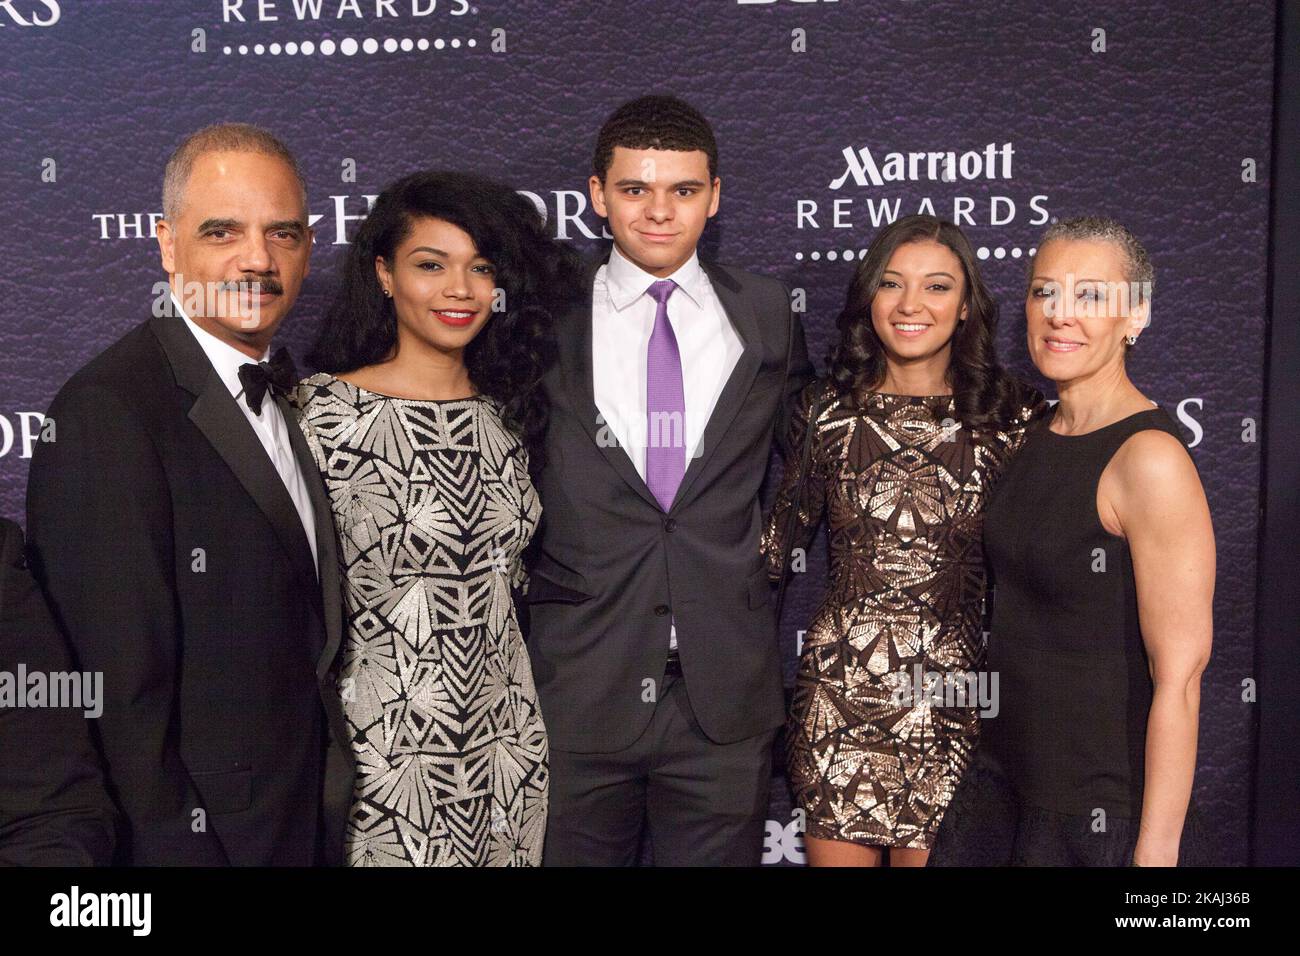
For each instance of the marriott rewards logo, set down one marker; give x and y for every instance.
(869, 188)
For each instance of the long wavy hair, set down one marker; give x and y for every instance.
(984, 393)
(538, 275)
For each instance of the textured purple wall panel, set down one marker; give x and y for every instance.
(1153, 131)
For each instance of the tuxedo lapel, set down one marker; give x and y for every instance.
(576, 365)
(219, 418)
(326, 540)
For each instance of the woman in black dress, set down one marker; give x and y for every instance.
(1102, 552)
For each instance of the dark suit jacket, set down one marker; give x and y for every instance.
(611, 568)
(54, 810)
(176, 563)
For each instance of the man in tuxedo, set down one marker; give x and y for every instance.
(185, 540)
(651, 629)
(53, 807)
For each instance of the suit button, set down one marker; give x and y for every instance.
(661, 609)
(670, 524)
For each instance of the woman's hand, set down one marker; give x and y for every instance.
(1155, 853)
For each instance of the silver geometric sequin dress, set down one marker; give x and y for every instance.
(433, 506)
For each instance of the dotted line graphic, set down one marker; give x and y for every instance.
(348, 46)
(848, 255)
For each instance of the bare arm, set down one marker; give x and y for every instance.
(1151, 494)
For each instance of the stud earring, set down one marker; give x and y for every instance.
(388, 294)
(1131, 339)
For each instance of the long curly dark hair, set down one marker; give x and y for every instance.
(538, 274)
(984, 393)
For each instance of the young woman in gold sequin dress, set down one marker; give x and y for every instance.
(914, 423)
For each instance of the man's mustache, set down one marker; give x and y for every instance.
(268, 284)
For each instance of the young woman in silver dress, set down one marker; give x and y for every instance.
(425, 422)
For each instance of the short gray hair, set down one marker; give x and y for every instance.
(1137, 264)
(220, 138)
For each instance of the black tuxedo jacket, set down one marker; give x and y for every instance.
(54, 810)
(612, 569)
(176, 563)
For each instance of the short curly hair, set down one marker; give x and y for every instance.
(655, 122)
(1137, 264)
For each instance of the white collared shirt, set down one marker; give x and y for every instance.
(622, 319)
(268, 424)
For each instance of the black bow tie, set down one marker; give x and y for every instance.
(277, 374)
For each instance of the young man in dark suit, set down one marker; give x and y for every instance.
(185, 540)
(652, 634)
(53, 807)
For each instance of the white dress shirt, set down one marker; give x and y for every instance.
(622, 318)
(268, 424)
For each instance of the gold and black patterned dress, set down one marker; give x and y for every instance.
(902, 485)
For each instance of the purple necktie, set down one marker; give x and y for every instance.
(665, 404)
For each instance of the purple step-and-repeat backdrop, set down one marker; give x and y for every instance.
(1155, 113)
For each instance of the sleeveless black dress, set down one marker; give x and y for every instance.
(1058, 776)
